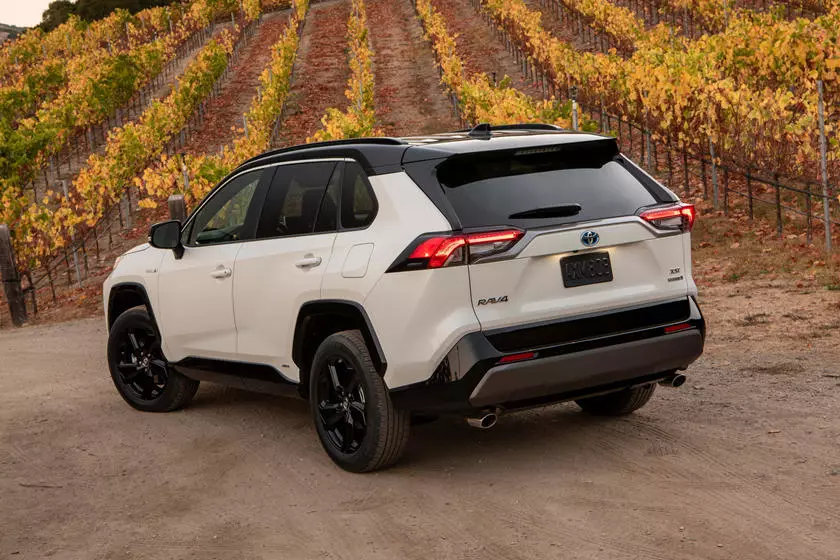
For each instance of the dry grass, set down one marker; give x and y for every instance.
(731, 249)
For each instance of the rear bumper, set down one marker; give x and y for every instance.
(472, 377)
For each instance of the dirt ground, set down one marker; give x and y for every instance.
(742, 462)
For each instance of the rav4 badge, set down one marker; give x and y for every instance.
(488, 301)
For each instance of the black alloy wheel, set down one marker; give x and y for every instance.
(140, 364)
(140, 371)
(354, 417)
(342, 405)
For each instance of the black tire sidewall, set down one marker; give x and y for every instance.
(338, 345)
(178, 390)
(618, 403)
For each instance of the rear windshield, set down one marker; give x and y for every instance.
(541, 187)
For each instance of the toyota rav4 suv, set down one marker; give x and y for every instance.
(469, 273)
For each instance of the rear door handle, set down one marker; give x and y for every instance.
(221, 273)
(308, 261)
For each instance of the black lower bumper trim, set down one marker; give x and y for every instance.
(572, 373)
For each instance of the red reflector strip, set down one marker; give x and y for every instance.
(677, 328)
(517, 357)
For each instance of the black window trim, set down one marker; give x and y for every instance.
(259, 197)
(339, 227)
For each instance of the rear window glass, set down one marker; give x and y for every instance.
(541, 187)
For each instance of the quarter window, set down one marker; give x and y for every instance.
(358, 204)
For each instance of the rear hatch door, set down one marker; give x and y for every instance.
(583, 248)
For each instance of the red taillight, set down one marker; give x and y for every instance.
(677, 328)
(679, 217)
(438, 250)
(446, 250)
(517, 357)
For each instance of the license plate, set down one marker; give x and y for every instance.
(589, 268)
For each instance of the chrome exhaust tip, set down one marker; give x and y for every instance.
(675, 380)
(484, 420)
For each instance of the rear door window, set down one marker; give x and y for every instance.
(299, 200)
(541, 187)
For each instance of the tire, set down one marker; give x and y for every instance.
(140, 372)
(356, 422)
(618, 403)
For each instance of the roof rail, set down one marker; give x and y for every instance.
(382, 140)
(484, 128)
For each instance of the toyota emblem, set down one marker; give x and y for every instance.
(589, 238)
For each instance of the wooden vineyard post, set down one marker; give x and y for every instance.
(715, 193)
(177, 207)
(824, 168)
(10, 278)
(73, 241)
(778, 204)
(750, 193)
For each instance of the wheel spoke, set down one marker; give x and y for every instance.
(324, 405)
(348, 432)
(334, 376)
(133, 340)
(354, 382)
(129, 377)
(147, 388)
(333, 419)
(359, 409)
(159, 364)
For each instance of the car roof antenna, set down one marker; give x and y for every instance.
(480, 131)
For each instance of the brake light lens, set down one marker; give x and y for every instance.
(438, 251)
(678, 217)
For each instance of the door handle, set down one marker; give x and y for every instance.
(308, 261)
(221, 273)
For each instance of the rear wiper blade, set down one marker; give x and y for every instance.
(561, 211)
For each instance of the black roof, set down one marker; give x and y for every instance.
(388, 155)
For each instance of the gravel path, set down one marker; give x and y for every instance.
(742, 462)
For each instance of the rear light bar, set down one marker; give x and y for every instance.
(521, 357)
(443, 250)
(677, 217)
(677, 328)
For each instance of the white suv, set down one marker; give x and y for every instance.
(468, 273)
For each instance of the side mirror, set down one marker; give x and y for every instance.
(167, 235)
